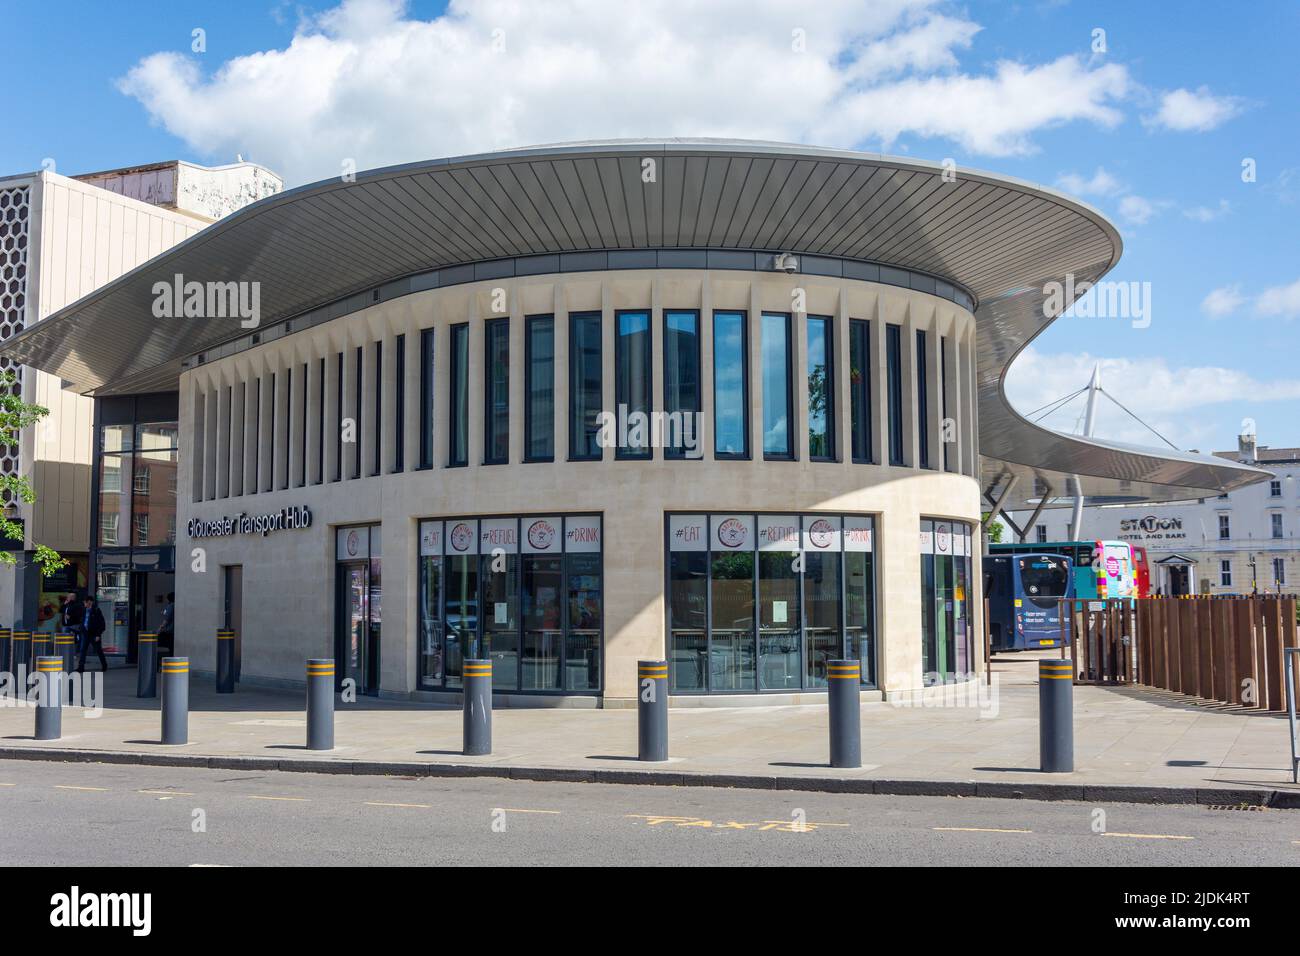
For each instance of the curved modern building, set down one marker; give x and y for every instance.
(736, 405)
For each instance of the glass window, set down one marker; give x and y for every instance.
(894, 361)
(860, 612)
(539, 384)
(426, 398)
(1225, 574)
(1225, 531)
(732, 647)
(1275, 489)
(779, 656)
(116, 438)
(338, 418)
(822, 605)
(632, 378)
(543, 580)
(496, 393)
(860, 388)
(377, 392)
(399, 406)
(583, 635)
(115, 485)
(775, 342)
(922, 399)
(688, 640)
(431, 671)
(584, 386)
(358, 387)
(946, 653)
(821, 389)
(730, 386)
(461, 615)
(500, 577)
(1276, 521)
(682, 383)
(458, 423)
(1279, 571)
(944, 422)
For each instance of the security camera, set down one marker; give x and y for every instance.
(786, 262)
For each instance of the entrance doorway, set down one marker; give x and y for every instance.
(232, 612)
(358, 589)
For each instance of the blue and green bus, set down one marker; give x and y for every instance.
(1024, 593)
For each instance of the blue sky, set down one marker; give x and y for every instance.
(1152, 131)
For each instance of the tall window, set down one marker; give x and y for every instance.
(946, 635)
(682, 383)
(496, 393)
(302, 438)
(632, 377)
(943, 401)
(287, 412)
(1042, 533)
(922, 399)
(399, 405)
(1225, 528)
(426, 398)
(539, 386)
(320, 424)
(894, 362)
(377, 391)
(1275, 489)
(1225, 574)
(821, 389)
(1279, 571)
(730, 385)
(775, 342)
(338, 418)
(458, 420)
(584, 386)
(356, 410)
(860, 388)
(1276, 521)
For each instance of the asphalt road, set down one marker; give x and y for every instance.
(111, 815)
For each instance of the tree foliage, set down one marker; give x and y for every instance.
(15, 415)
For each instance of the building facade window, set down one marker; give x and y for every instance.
(922, 400)
(1279, 571)
(377, 395)
(946, 637)
(399, 404)
(632, 382)
(358, 393)
(1225, 574)
(584, 386)
(525, 592)
(760, 602)
(458, 420)
(774, 341)
(496, 392)
(682, 383)
(539, 388)
(1275, 525)
(338, 418)
(730, 385)
(1275, 489)
(1042, 533)
(860, 403)
(894, 381)
(426, 397)
(1225, 528)
(821, 388)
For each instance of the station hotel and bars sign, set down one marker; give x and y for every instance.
(286, 519)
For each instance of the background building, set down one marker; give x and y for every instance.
(1239, 542)
(62, 238)
(401, 463)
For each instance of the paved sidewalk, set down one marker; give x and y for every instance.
(1124, 737)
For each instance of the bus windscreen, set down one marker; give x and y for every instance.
(1044, 580)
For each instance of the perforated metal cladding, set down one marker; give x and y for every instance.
(15, 215)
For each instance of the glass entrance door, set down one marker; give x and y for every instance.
(357, 636)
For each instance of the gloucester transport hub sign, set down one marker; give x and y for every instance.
(286, 519)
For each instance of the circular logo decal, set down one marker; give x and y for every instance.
(732, 533)
(541, 534)
(942, 539)
(461, 536)
(821, 532)
(1112, 567)
(353, 544)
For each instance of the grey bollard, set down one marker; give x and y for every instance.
(176, 700)
(652, 710)
(225, 661)
(6, 649)
(320, 704)
(65, 645)
(478, 708)
(49, 697)
(146, 666)
(843, 688)
(22, 653)
(1056, 716)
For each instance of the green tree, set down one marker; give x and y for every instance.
(994, 531)
(15, 415)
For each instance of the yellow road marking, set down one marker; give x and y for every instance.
(1149, 836)
(415, 806)
(58, 786)
(511, 810)
(981, 830)
(298, 799)
(167, 793)
(8, 784)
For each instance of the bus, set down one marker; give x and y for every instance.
(1141, 571)
(1024, 592)
(1102, 569)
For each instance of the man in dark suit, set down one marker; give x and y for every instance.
(92, 628)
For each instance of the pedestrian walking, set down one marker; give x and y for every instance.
(92, 627)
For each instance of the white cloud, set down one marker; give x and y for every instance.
(1161, 395)
(1101, 183)
(366, 82)
(1208, 213)
(1282, 301)
(1194, 111)
(1138, 211)
(1223, 301)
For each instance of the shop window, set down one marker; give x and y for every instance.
(821, 389)
(730, 385)
(584, 386)
(777, 405)
(682, 383)
(525, 592)
(539, 387)
(632, 378)
(946, 651)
